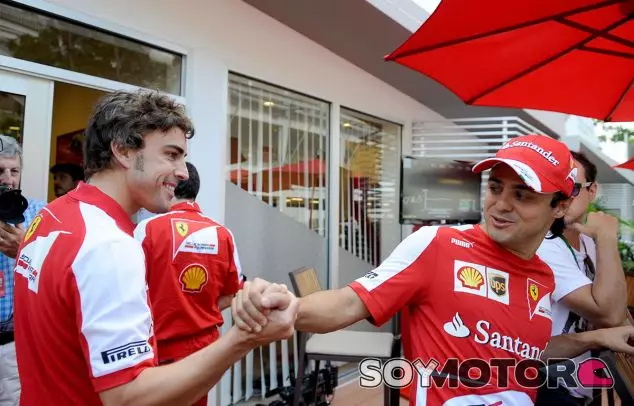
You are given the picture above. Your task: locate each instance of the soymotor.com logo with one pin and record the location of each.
(477, 373)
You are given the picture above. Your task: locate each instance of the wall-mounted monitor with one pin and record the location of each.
(437, 189)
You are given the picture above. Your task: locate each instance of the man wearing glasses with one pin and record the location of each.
(583, 299)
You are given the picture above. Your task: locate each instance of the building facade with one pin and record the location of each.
(300, 124)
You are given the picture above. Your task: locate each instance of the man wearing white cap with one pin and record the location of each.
(473, 291)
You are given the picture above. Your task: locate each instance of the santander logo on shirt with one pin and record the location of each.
(485, 334)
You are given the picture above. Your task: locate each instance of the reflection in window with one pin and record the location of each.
(33, 37)
(278, 149)
(370, 167)
(12, 115)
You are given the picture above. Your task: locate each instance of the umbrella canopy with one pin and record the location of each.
(627, 165)
(570, 56)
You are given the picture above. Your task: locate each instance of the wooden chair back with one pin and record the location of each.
(305, 281)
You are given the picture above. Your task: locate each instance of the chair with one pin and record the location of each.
(342, 345)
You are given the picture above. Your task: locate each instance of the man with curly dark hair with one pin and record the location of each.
(84, 330)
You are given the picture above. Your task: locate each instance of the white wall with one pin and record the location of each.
(224, 35)
(582, 127)
(553, 120)
(409, 13)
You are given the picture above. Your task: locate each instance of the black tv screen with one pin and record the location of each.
(439, 189)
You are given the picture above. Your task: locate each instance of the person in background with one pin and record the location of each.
(84, 328)
(590, 287)
(10, 237)
(193, 271)
(66, 177)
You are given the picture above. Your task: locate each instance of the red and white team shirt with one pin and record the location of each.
(468, 298)
(191, 262)
(82, 318)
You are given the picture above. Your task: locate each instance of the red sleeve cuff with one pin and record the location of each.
(378, 315)
(122, 377)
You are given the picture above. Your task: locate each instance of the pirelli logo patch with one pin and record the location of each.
(122, 352)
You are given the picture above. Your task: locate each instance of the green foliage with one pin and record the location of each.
(626, 249)
(92, 55)
(615, 133)
(598, 205)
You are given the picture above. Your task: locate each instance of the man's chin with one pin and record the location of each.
(157, 208)
(499, 236)
(569, 222)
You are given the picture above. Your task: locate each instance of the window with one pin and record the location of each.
(277, 159)
(278, 147)
(369, 188)
(12, 115)
(52, 41)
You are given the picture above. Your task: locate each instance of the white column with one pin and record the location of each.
(207, 103)
(333, 196)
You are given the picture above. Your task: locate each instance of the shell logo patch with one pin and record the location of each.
(193, 278)
(470, 277)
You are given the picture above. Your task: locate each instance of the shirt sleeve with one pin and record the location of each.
(233, 280)
(141, 234)
(402, 278)
(114, 315)
(568, 277)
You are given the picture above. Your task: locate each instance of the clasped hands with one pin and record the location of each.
(265, 310)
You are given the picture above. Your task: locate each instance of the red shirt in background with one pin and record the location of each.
(192, 261)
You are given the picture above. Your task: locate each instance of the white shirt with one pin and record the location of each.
(570, 275)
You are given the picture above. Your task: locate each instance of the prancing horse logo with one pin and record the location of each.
(181, 228)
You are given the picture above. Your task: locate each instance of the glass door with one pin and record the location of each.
(26, 105)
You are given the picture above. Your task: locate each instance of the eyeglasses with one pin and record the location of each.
(578, 186)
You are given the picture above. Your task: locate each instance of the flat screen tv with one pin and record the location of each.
(437, 189)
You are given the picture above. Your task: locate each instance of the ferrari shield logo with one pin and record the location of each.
(534, 291)
(181, 228)
(33, 227)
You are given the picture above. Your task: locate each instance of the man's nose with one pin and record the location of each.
(502, 203)
(181, 171)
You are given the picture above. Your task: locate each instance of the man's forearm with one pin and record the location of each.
(224, 302)
(330, 310)
(609, 289)
(570, 345)
(186, 381)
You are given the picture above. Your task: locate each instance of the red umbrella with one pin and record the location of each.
(570, 56)
(626, 165)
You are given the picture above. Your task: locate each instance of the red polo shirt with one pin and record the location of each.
(467, 298)
(191, 262)
(82, 318)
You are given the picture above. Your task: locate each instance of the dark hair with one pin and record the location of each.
(125, 118)
(588, 167)
(188, 189)
(558, 226)
(75, 171)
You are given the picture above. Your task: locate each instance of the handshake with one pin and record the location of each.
(264, 311)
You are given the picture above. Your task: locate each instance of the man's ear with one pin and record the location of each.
(562, 208)
(594, 188)
(122, 155)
